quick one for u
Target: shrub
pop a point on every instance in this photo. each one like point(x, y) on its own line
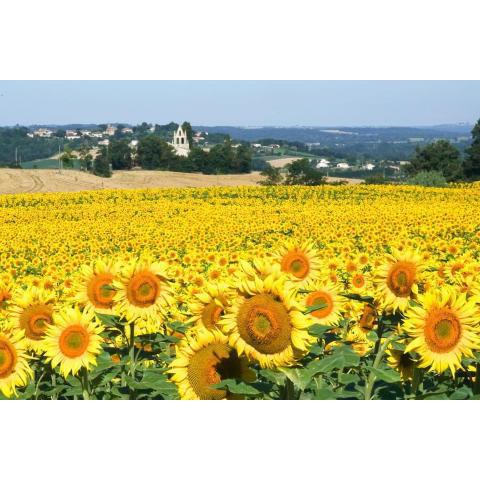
point(432, 178)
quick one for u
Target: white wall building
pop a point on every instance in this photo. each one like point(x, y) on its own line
point(180, 142)
point(323, 163)
point(71, 135)
point(110, 130)
point(343, 165)
point(43, 132)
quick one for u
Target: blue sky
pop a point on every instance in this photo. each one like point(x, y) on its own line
point(243, 103)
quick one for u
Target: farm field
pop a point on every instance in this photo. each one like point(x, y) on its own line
point(46, 180)
point(352, 292)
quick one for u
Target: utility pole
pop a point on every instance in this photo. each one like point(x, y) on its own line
point(16, 156)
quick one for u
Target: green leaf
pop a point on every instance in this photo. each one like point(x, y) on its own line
point(317, 330)
point(388, 376)
point(316, 349)
point(108, 320)
point(327, 364)
point(273, 377)
point(300, 377)
point(398, 346)
point(351, 358)
point(372, 336)
point(461, 393)
point(359, 298)
point(238, 388)
point(314, 308)
point(347, 378)
point(324, 394)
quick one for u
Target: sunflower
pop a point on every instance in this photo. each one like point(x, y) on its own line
point(32, 311)
point(444, 328)
point(266, 323)
point(93, 287)
point(6, 292)
point(209, 305)
point(327, 295)
point(73, 341)
point(300, 262)
point(14, 369)
point(397, 280)
point(401, 361)
point(360, 283)
point(204, 358)
point(143, 291)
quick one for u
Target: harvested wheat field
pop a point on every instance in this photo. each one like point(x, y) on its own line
point(31, 181)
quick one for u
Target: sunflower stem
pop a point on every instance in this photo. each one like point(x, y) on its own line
point(132, 355)
point(476, 384)
point(85, 384)
point(376, 363)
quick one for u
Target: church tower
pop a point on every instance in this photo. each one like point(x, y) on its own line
point(180, 142)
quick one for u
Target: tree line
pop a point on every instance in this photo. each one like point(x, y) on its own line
point(153, 153)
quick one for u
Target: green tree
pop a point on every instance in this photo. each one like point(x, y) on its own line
point(120, 155)
point(101, 164)
point(272, 176)
point(199, 158)
point(428, 179)
point(155, 154)
point(188, 129)
point(86, 158)
point(243, 159)
point(471, 166)
point(440, 156)
point(301, 172)
point(67, 158)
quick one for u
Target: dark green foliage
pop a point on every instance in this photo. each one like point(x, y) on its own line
point(471, 165)
point(155, 154)
point(67, 158)
point(222, 158)
point(272, 176)
point(428, 179)
point(101, 164)
point(27, 148)
point(377, 179)
point(188, 128)
point(120, 155)
point(440, 156)
point(301, 172)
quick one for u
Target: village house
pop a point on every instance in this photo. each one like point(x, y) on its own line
point(43, 132)
point(71, 135)
point(127, 130)
point(323, 163)
point(110, 130)
point(343, 165)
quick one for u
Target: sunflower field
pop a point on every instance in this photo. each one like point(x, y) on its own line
point(331, 292)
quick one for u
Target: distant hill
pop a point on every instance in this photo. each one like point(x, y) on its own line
point(339, 134)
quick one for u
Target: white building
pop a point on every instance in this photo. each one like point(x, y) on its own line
point(180, 142)
point(105, 142)
point(110, 130)
point(127, 130)
point(71, 135)
point(43, 132)
point(369, 166)
point(323, 163)
point(343, 165)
